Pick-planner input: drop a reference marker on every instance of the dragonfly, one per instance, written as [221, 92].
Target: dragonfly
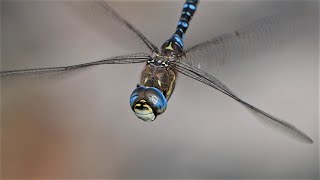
[158, 79]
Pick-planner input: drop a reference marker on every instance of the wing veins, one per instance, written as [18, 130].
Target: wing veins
[211, 81]
[117, 17]
[126, 59]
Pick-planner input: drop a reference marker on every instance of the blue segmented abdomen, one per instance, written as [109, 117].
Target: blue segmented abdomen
[188, 11]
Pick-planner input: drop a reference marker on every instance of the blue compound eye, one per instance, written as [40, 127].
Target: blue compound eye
[156, 99]
[147, 103]
[137, 95]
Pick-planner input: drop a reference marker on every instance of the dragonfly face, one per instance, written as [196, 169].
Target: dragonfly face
[147, 102]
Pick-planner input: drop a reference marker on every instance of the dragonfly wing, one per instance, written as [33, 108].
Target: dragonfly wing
[268, 32]
[129, 26]
[126, 59]
[49, 34]
[202, 76]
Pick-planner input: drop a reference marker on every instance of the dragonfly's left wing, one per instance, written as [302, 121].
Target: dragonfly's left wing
[126, 59]
[129, 26]
[209, 80]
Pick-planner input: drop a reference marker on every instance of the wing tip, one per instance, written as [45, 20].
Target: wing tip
[308, 140]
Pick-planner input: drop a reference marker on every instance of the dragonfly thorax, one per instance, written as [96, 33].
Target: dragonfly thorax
[161, 60]
[156, 86]
[159, 74]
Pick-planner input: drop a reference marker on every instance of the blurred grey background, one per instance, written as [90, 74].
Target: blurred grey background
[80, 125]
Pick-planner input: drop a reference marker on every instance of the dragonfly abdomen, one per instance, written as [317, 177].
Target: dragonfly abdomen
[175, 43]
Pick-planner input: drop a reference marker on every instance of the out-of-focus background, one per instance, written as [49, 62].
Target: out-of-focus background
[80, 125]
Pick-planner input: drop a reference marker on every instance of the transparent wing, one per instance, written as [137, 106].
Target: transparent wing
[265, 33]
[54, 34]
[126, 59]
[211, 81]
[123, 21]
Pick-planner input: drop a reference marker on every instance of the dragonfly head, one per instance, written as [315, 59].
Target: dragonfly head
[147, 102]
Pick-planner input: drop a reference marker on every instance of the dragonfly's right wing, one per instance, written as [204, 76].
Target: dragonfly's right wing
[123, 21]
[202, 76]
[264, 33]
[126, 59]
